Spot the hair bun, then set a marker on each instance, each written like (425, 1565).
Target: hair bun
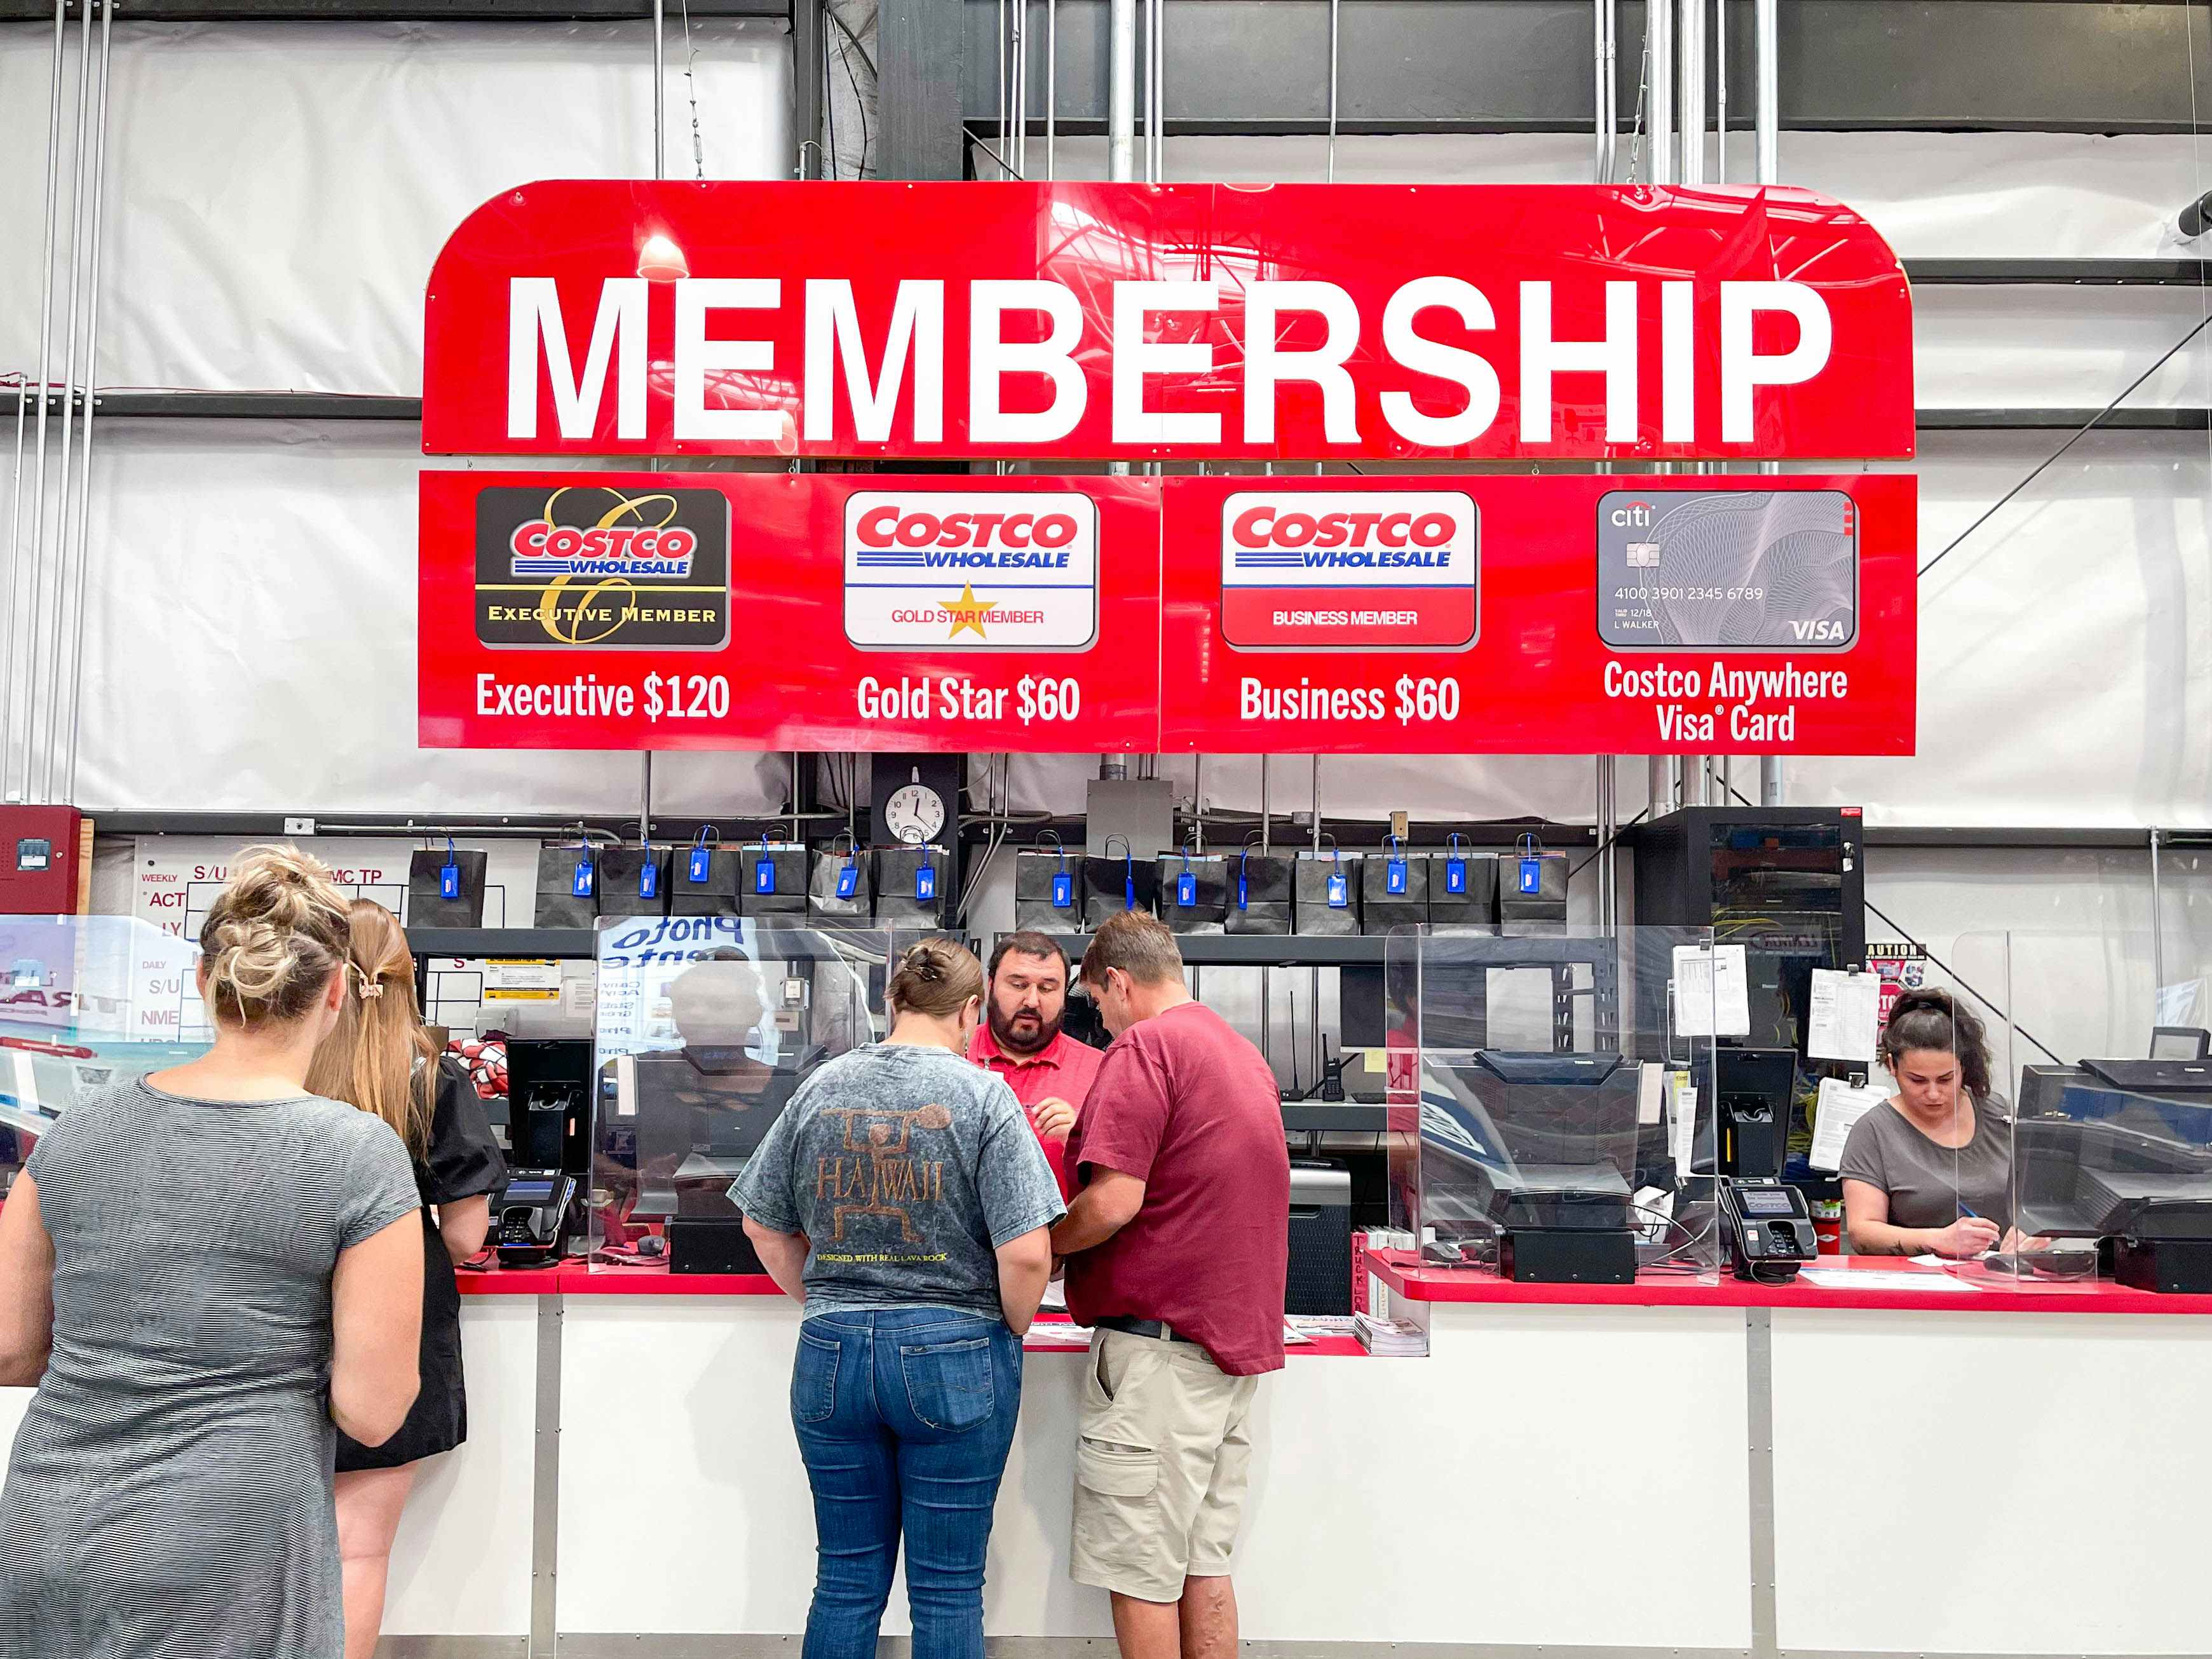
(274, 935)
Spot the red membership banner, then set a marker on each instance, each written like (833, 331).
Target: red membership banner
(1193, 322)
(1408, 614)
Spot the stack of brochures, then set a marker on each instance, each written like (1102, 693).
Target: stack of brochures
(1391, 1339)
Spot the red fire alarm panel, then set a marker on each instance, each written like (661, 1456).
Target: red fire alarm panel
(41, 861)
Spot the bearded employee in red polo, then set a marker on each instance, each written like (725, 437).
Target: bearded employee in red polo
(1177, 1247)
(1021, 1040)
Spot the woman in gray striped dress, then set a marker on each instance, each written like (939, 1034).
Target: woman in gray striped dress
(205, 1273)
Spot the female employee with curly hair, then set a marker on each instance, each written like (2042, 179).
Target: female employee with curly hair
(1929, 1171)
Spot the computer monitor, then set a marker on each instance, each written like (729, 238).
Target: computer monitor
(698, 1117)
(2115, 1147)
(1526, 1139)
(2180, 1042)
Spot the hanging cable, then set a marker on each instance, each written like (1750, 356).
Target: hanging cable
(691, 92)
(2164, 358)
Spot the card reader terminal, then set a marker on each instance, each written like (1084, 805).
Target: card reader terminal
(1768, 1228)
(530, 1216)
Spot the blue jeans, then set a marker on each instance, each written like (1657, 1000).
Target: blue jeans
(905, 1417)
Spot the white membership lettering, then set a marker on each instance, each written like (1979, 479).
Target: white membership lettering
(1419, 699)
(1034, 699)
(587, 697)
(688, 697)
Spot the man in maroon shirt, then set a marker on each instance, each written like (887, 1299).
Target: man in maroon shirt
(1177, 1246)
(1021, 1040)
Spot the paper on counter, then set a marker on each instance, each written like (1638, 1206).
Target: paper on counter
(1056, 1333)
(1295, 1337)
(1712, 991)
(1845, 1016)
(1840, 1106)
(1877, 1278)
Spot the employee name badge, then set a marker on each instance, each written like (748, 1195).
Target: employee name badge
(581, 884)
(1532, 876)
(1185, 888)
(695, 871)
(925, 881)
(1063, 890)
(848, 879)
(764, 874)
(1339, 891)
(648, 878)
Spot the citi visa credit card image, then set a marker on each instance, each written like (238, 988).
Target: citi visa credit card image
(1739, 570)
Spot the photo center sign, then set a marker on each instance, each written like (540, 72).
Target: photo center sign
(1414, 610)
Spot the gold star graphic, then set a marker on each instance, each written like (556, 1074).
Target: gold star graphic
(969, 612)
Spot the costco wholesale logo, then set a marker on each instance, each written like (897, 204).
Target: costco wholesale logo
(1349, 570)
(965, 570)
(545, 550)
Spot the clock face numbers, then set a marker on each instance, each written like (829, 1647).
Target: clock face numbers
(915, 812)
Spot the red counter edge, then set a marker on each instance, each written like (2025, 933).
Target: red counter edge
(1417, 1283)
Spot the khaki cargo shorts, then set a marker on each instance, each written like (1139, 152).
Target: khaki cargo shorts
(1161, 1467)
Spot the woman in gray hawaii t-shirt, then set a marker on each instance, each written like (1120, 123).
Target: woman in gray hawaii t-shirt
(1929, 1171)
(903, 1198)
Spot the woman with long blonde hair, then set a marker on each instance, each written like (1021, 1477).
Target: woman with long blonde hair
(381, 1058)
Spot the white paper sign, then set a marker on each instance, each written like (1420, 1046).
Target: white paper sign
(1650, 1093)
(1840, 1106)
(1712, 991)
(1681, 1120)
(1845, 1013)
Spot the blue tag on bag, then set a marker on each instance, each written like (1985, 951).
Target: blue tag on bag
(1532, 875)
(648, 877)
(1130, 892)
(449, 875)
(925, 881)
(1339, 892)
(1455, 876)
(1243, 890)
(1394, 877)
(848, 879)
(701, 860)
(1185, 888)
(586, 876)
(764, 874)
(1063, 890)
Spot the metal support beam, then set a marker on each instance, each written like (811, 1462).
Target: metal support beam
(2157, 920)
(810, 49)
(1659, 94)
(919, 63)
(1122, 91)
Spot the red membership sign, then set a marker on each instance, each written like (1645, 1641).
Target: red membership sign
(1198, 322)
